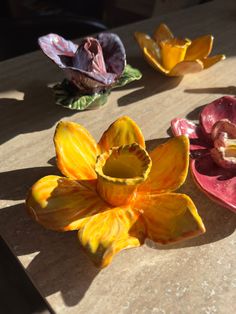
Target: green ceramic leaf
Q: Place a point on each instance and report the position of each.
(66, 96)
(129, 74)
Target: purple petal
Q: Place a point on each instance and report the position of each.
(89, 56)
(88, 61)
(113, 52)
(55, 46)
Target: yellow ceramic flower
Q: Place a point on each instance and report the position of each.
(114, 193)
(176, 57)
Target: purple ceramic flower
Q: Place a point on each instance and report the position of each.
(213, 149)
(93, 65)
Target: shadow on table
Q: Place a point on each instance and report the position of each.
(156, 83)
(36, 112)
(229, 90)
(69, 271)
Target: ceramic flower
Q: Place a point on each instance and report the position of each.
(92, 68)
(176, 57)
(213, 149)
(114, 192)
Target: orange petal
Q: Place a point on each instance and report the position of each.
(107, 233)
(123, 131)
(208, 62)
(147, 42)
(186, 67)
(76, 151)
(162, 32)
(61, 204)
(200, 48)
(169, 217)
(169, 166)
(153, 62)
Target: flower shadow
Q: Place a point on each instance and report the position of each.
(69, 270)
(228, 90)
(37, 111)
(157, 83)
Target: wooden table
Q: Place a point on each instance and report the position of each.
(197, 276)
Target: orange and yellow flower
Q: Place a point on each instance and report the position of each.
(176, 57)
(114, 192)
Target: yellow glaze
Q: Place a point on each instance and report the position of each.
(120, 171)
(169, 217)
(105, 234)
(123, 131)
(176, 57)
(115, 193)
(173, 51)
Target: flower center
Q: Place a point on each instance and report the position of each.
(173, 51)
(120, 170)
(224, 137)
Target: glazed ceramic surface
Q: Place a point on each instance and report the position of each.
(218, 182)
(176, 57)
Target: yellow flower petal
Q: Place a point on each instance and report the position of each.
(61, 204)
(169, 217)
(76, 151)
(200, 48)
(153, 62)
(123, 131)
(162, 32)
(186, 67)
(145, 41)
(107, 233)
(173, 51)
(208, 62)
(169, 166)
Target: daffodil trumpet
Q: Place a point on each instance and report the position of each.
(176, 57)
(115, 193)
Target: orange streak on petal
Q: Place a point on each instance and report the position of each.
(169, 217)
(123, 131)
(62, 204)
(107, 233)
(169, 166)
(76, 151)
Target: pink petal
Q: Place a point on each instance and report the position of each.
(222, 108)
(218, 183)
(183, 127)
(55, 46)
(186, 127)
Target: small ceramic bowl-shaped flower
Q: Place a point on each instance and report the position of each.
(176, 57)
(92, 68)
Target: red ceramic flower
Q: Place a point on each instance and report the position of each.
(213, 149)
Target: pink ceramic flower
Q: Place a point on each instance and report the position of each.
(213, 149)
